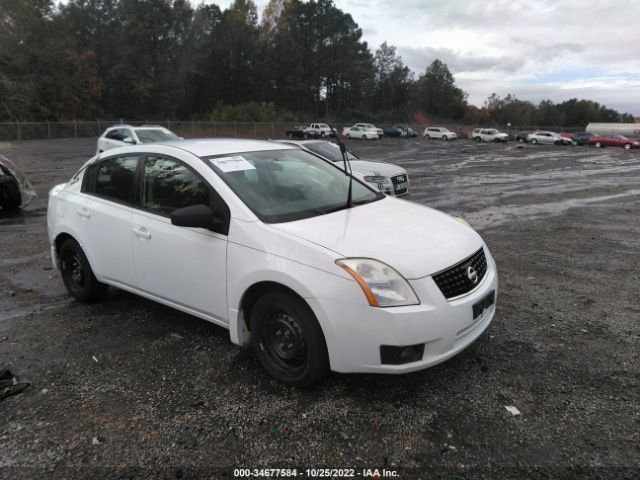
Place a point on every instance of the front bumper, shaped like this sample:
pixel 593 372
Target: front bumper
pixel 355 333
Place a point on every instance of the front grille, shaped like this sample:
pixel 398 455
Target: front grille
pixel 455 281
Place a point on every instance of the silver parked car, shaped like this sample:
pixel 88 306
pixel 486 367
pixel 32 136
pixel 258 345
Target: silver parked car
pixel 550 138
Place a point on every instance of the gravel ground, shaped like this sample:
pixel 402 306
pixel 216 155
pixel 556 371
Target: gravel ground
pixel 131 389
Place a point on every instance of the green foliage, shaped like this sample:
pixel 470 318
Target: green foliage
pixel 168 59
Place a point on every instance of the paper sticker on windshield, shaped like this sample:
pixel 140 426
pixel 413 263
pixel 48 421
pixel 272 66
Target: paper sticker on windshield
pixel 232 164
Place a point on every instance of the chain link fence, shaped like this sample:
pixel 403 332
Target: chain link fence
pixel 10 131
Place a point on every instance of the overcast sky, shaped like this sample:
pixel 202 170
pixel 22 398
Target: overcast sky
pixel 535 49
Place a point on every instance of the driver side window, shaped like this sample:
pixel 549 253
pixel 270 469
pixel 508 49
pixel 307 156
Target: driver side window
pixel 168 185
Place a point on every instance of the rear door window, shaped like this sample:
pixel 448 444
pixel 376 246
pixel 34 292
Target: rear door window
pixel 113 179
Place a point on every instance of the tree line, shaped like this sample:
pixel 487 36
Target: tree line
pixel 165 59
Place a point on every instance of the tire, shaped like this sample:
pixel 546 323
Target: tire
pixel 290 136
pixel 347 136
pixel 445 138
pixel 574 143
pixel 10 196
pixel 534 141
pixel 627 146
pixel 557 142
pixel 306 135
pixel 278 317
pixel 321 134
pixel 598 145
pixel 478 139
pixel 77 274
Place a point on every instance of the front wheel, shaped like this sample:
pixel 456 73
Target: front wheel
pixel 627 146
pixel 288 340
pixel 533 141
pixel 347 136
pixel 77 274
pixel 598 145
pixel 321 134
pixel 478 139
pixel 290 135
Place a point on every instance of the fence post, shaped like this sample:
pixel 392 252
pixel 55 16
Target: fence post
pixel 255 130
pixel 192 128
pixel 273 130
pixel 75 129
pixel 18 124
pixel 235 128
pixel 99 127
pixel 214 128
pixel 48 129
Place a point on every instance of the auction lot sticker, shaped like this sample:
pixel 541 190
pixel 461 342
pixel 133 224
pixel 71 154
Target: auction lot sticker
pixel 235 163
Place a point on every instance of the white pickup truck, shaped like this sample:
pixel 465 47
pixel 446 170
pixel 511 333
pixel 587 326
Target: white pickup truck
pixel 318 130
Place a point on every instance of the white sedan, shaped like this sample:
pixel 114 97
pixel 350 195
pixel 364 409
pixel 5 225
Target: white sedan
pixel 362 133
pixel 386 177
pixel 552 138
pixel 263 239
pixel 123 135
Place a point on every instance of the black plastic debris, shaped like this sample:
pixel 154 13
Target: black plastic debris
pixel 10 384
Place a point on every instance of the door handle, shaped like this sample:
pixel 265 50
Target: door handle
pixel 142 232
pixel 84 212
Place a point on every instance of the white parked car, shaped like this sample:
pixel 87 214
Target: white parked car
pixel 360 132
pixel 258 238
pixel 371 126
pixel 122 135
pixel 318 130
pixel 385 177
pixel 439 132
pixel 489 135
pixel 542 136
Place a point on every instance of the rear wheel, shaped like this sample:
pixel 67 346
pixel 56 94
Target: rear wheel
pixel 627 146
pixel 77 274
pixel 478 139
pixel 288 340
pixel 598 145
pixel 534 141
pixel 10 196
pixel 347 136
pixel 445 138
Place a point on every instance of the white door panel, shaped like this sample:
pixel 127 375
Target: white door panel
pixel 187 266
pixel 104 230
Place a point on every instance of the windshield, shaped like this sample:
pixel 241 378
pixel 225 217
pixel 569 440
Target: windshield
pixel 287 185
pixel 328 150
pixel 155 135
pixel 323 125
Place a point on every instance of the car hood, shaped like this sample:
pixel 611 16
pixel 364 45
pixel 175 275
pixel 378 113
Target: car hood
pixel 365 167
pixel 415 240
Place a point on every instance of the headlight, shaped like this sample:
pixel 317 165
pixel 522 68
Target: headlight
pixel 381 284
pixel 376 179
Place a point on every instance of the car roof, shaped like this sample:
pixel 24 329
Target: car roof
pixel 203 147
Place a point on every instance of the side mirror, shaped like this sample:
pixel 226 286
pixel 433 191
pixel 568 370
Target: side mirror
pixel 196 216
pixel 129 140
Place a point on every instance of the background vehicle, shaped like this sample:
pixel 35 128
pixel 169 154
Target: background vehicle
pixel 613 141
pixel 371 126
pixel 545 137
pixel 629 130
pixel 489 135
pixel 296 131
pixel 15 188
pixel 439 132
pixel 360 132
pixel 262 238
pixel 521 137
pixel 409 132
pixel 582 138
pixel 394 132
pixel 385 177
pixel 318 130
pixel 121 135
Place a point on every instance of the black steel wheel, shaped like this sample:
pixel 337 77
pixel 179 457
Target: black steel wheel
pixel 10 196
pixel 77 274
pixel 288 340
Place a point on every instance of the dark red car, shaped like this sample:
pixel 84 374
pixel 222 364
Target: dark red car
pixel 613 141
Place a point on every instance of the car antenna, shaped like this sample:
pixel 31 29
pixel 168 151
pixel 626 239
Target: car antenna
pixel 345 160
